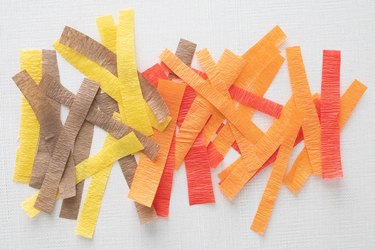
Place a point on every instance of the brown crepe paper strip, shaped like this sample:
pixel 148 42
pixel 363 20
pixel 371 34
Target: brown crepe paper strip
pixel 82 146
pixel 106 103
pixel 185 51
pixel 47 195
pixel 103 120
pixel 128 166
pixel 98 53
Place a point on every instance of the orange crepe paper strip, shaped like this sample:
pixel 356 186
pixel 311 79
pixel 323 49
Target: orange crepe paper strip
pixel 272 189
pixel 198 174
pixel 254 101
pixel 266 145
pixel 330 109
pixel 304 102
pixel 301 169
pixel 154 74
pixel 148 173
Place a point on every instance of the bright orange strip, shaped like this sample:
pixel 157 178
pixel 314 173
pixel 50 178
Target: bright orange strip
pixel 271 191
pixel 304 102
pixel 301 169
pixel 148 173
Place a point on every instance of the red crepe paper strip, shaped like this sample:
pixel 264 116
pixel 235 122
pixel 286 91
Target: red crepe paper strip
pixel 257 102
pixel 330 108
pixel 187 101
pixel 154 74
pixel 198 173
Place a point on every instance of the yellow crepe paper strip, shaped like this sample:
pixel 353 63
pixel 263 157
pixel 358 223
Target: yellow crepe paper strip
pixel 148 173
pixel 304 102
pixel 31 61
pixel 301 169
pixel 271 191
pixel 28 206
pixel 107 31
pixel 134 106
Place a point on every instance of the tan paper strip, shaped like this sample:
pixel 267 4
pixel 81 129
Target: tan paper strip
pixel 81 105
pixel 128 165
pixel 107 59
pixel 106 103
pixel 103 120
pixel 185 51
pixel 82 146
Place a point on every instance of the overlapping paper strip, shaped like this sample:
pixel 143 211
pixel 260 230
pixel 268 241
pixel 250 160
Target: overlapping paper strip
pixel 170 114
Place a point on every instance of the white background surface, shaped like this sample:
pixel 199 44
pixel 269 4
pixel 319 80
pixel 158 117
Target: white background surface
pixel 326 215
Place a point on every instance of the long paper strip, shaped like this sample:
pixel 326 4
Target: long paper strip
pixel 301 169
pixel 148 173
pixel 108 31
pixel 330 109
pixel 304 102
pixel 154 73
pixel 271 191
pixel 134 112
pixel 81 105
pixel 31 61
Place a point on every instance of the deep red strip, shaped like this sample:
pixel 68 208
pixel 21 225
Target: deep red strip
pixel 254 101
pixel 198 173
pixel 330 108
pixel 187 100
pixel 155 73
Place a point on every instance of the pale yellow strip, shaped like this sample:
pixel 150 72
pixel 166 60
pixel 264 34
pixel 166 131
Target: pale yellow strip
pixel 134 106
pixel 28 206
pixel 89 214
pixel 107 31
pixel 31 61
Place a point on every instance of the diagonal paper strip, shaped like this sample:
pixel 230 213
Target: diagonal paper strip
pixel 81 105
pixel 330 109
pixel 155 73
pixel 31 61
pixel 271 191
pixel 147 176
pixel 304 102
pixel 301 169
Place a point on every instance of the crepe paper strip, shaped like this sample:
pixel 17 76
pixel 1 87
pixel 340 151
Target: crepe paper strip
pixel 214 156
pixel 105 103
pixel 108 155
pixel 265 146
pixel 212 126
pixel 30 60
pixel 274 183
pixel 187 101
pixel 128 165
pixel 330 108
pixel 134 112
pixel 222 103
pixel 225 139
pixel 301 168
pixel 273 38
pixel 81 105
pixel 107 59
pixel 198 174
pixel 154 73
pixel 148 173
pixel 163 194
pixel 107 31
pixel 70 207
pixel 185 51
pixel 254 101
pixel 304 102
pixel 102 119
pixel 28 206
pixel 89 214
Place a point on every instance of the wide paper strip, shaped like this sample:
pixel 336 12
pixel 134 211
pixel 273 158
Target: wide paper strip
pixel 154 74
pixel 301 169
pixel 103 120
pixel 256 102
pixel 304 102
pixel 101 55
pixel 148 173
pixel 265 146
pixel 70 206
pixel 65 143
pixel 45 147
pixel 31 61
pixel 225 139
pixel 330 109
pixel 275 181
pixel 107 31
pixel 128 166
pixel 222 103
pixel 198 174
pixel 105 103
pixel 134 112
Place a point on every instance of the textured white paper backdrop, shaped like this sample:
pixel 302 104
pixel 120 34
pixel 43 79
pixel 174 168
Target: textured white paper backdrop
pixel 326 215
